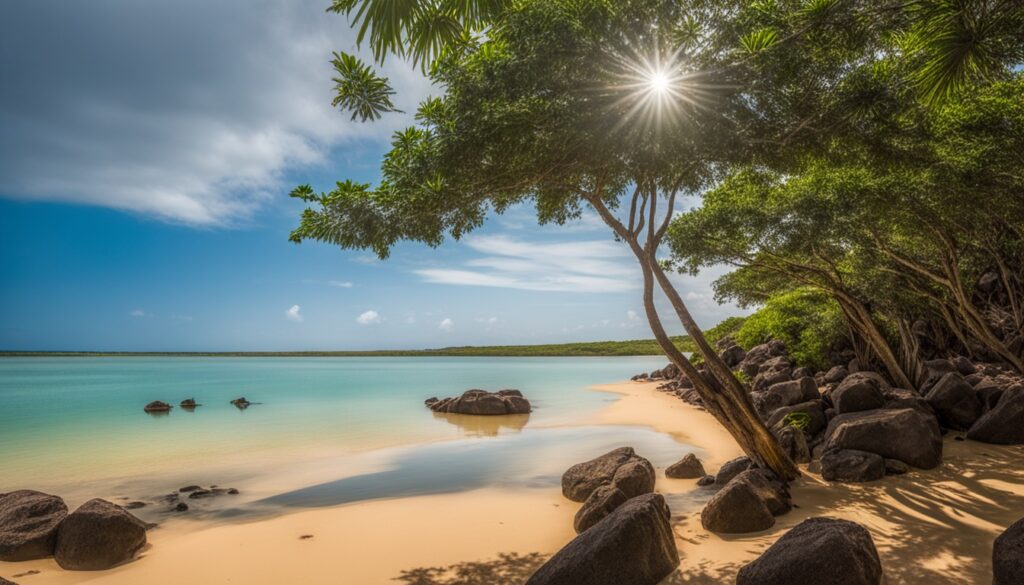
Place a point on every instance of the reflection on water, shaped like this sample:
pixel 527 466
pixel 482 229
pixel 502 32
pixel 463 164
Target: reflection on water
pixel 484 426
pixel 526 460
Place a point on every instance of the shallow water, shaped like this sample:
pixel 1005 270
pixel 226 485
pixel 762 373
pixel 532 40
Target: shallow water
pixel 348 427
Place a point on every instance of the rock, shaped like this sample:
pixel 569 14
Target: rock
pixel 836 374
pixel 774 493
pixel 852 466
pixel 688 467
pixel 1008 556
pixel 902 398
pixel 188 403
pixel 134 505
pixel 633 545
pixel 98 535
pixel 733 355
pixel 601 503
pixel 233 492
pixel 706 480
pixel 737 508
pixel 989 391
pixel 895 467
pixel 430 401
pixel 934 370
pixel 905 434
pixel 963 365
pixel 482 402
pixel 794 443
pixel 580 480
pixel 1004 424
pixel 189 488
pixel 181 507
pixel 856 393
pixel 813 409
pixel 955 402
pixel 6 582
pixel 241 403
pixel 28 524
pixel 732 468
pixel 157 406
pixel 210 493
pixel 635 477
pixel 789 393
pixel 814 548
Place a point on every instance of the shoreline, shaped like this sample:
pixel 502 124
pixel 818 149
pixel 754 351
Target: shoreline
pixel 932 526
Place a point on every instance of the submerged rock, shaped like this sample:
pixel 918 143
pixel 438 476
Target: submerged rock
pixel 28 524
pixel 580 480
pixel 98 535
pixel 157 406
pixel 188 403
pixel 241 403
pixel 1008 556
pixel 482 402
pixel 817 547
pixel 633 545
pixel 688 467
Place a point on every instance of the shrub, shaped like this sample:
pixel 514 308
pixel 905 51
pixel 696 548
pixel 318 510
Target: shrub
pixel 807 321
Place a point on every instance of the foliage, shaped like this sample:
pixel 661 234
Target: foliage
pixel 797 420
pixel 360 90
pixel 807 321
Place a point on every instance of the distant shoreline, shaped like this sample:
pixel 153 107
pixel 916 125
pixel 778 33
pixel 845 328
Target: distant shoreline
pixel 643 347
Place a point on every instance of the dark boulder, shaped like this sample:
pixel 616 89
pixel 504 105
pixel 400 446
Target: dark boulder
pixel 580 480
pixel 482 402
pixel 688 467
pixel 934 370
pixel 188 403
pixel 817 547
pixel 895 467
pixel 989 391
pixel 157 406
pixel 774 493
pixel 963 365
pixel 816 421
pixel 28 524
pixel 954 402
pixel 856 393
pixel 1004 424
pixel 737 508
pixel 634 545
pixel 635 477
pixel 6 582
pixel 601 503
pixel 836 374
pixel 905 434
pixel 241 403
pixel 706 481
pixel 1008 556
pixel 851 466
pixel 189 488
pixel 98 535
pixel 732 468
pixel 794 443
pixel 788 393
pixel 732 356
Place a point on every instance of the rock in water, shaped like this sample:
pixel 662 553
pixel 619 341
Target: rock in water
pixel 688 467
pixel 633 545
pixel 1008 556
pixel 600 504
pixel 817 547
pixel 851 466
pixel 157 406
pixel 28 524
pixel 482 402
pixel 98 535
pixel 906 434
pixel 1004 424
pixel 622 467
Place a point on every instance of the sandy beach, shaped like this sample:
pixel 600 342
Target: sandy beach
pixel 931 527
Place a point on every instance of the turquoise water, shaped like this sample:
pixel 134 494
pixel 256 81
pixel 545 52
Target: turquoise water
pixel 71 424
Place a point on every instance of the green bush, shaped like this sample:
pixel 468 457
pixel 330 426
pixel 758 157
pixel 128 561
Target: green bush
pixel 807 321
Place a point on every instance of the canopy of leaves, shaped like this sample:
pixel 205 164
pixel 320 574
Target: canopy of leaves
pixel 807 321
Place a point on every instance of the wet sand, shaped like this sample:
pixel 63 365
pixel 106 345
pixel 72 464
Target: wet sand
pixel 932 527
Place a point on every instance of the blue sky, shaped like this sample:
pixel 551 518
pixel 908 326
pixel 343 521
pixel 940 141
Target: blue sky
pixel 145 159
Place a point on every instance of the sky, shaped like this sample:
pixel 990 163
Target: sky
pixel 146 153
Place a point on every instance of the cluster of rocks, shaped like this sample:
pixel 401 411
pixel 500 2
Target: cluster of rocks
pixel 482 402
pixel 194 492
pixel 625 537
pixel 98 535
pixel 189 404
pixel 855 424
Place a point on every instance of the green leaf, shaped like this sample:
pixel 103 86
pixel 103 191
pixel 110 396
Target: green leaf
pixel 360 90
pixel 759 40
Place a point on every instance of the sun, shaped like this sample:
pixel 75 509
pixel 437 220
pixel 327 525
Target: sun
pixel 658 82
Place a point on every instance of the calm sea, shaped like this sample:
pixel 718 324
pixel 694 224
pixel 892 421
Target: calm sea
pixel 321 431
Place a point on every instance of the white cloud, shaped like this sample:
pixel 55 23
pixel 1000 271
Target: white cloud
pixel 203 139
pixel 293 314
pixel 594 266
pixel 368 318
pixel 486 320
pixel 137 313
pixel 446 324
pixel 632 316
pixel 411 319
pixel 341 283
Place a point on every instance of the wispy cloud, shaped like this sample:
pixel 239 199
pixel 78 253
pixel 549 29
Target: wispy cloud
pixel 294 314
pixel 138 313
pixel 595 266
pixel 368 318
pixel 341 283
pixel 446 324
